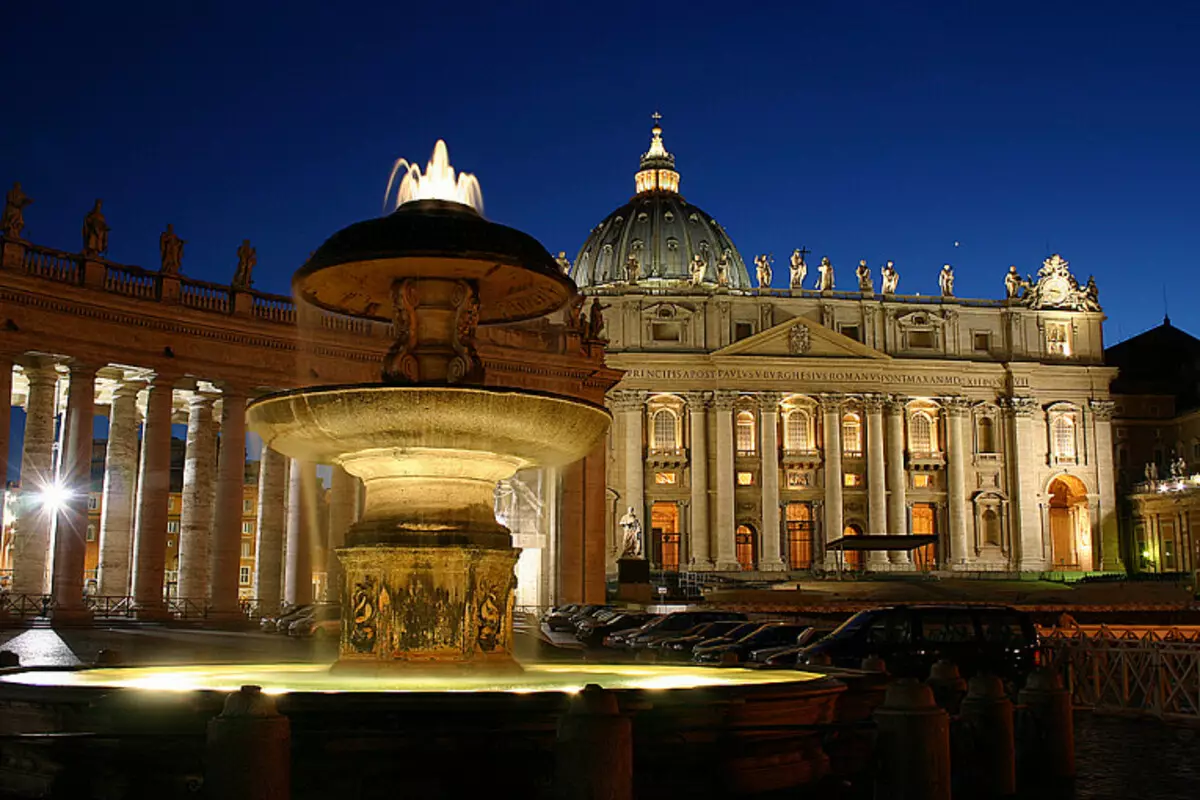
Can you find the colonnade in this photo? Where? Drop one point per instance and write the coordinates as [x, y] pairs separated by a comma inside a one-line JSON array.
[[49, 542]]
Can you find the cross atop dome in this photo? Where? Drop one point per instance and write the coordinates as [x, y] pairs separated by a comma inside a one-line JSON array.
[[657, 173]]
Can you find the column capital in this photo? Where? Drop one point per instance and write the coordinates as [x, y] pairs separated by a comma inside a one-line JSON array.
[[1020, 405], [873, 403], [1102, 409], [768, 402], [725, 399], [698, 402], [896, 403], [627, 399], [831, 402], [196, 398], [233, 390], [955, 405]]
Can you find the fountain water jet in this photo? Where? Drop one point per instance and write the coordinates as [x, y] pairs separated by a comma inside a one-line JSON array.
[[437, 182]]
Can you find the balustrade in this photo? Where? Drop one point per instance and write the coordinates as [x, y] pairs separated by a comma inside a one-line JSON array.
[[274, 308], [204, 296], [54, 265], [130, 282]]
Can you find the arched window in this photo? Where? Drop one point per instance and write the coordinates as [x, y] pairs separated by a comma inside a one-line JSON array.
[[744, 545], [987, 435], [664, 431], [851, 435], [1063, 430], [920, 433], [745, 431], [795, 432]]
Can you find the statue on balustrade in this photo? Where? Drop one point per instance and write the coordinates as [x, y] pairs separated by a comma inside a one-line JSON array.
[[596, 320], [631, 544], [563, 263], [946, 280], [1014, 284], [1091, 295], [825, 280], [247, 258], [891, 278], [799, 269], [95, 232], [697, 269], [633, 269], [14, 212], [863, 273], [763, 263], [170, 248]]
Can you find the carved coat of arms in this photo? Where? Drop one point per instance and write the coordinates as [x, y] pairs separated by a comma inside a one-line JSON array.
[[799, 340]]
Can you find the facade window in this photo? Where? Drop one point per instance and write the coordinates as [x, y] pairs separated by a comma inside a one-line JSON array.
[[920, 434], [852, 479], [665, 331], [247, 550], [247, 527], [799, 535], [664, 478], [983, 342], [742, 330], [745, 479], [247, 506], [798, 479], [1063, 429], [795, 432], [93, 502], [851, 435], [91, 533], [173, 526], [924, 521], [922, 480], [920, 340], [745, 431], [1058, 339], [850, 332], [664, 425], [987, 435], [244, 576]]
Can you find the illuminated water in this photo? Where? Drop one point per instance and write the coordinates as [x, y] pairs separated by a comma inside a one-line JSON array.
[[437, 183], [284, 678]]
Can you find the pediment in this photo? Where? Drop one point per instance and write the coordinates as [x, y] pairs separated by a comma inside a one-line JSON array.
[[802, 338]]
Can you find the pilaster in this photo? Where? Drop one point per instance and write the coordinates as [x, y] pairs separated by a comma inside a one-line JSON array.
[[897, 478], [1027, 536], [630, 405], [768, 405], [831, 417], [726, 521], [699, 531], [955, 410]]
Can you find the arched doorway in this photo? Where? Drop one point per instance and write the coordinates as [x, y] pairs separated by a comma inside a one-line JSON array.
[[1070, 525], [852, 559], [744, 542], [799, 535], [664, 525]]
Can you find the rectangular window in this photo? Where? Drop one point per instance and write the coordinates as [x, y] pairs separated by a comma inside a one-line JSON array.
[[664, 478], [983, 342], [920, 340], [247, 527], [247, 506], [247, 549], [850, 332], [745, 432], [1058, 339], [91, 533], [742, 330], [665, 331], [244, 576], [922, 480], [798, 479], [745, 479], [852, 479], [93, 502], [172, 526]]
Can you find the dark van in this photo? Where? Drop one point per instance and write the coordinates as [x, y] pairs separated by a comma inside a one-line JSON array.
[[910, 638]]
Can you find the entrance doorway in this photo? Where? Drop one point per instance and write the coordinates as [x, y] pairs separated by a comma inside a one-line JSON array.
[[744, 542], [799, 535], [924, 521], [664, 524], [1070, 525], [852, 559]]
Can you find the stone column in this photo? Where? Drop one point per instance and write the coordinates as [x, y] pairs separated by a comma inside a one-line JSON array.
[[6, 375], [268, 545], [897, 504], [768, 405], [1023, 413], [343, 498], [725, 525], [225, 555], [700, 533], [302, 495], [632, 407], [831, 415], [31, 542], [1109, 557], [595, 526], [955, 410], [876, 486], [195, 521], [70, 539], [120, 480], [153, 492]]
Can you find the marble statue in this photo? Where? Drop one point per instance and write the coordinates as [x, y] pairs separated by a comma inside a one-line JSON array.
[[946, 280], [863, 273], [247, 258], [699, 267], [799, 269], [170, 248], [891, 278], [1012, 283], [563, 262], [825, 279], [1091, 295], [631, 544], [14, 212], [95, 232], [763, 263], [723, 269], [633, 270], [575, 314], [596, 320]]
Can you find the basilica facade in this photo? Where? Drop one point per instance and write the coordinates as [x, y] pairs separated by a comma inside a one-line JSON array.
[[760, 420]]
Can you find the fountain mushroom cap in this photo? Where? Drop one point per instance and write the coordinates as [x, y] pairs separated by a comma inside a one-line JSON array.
[[352, 273]]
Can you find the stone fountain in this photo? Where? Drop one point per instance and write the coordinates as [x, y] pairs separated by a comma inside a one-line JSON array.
[[429, 572]]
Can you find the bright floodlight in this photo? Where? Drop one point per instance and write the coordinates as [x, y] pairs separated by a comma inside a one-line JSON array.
[[54, 497]]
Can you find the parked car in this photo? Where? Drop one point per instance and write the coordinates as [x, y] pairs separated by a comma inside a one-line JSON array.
[[785, 653], [280, 623], [560, 611], [320, 620], [565, 622], [680, 647], [594, 635], [675, 623], [769, 635], [910, 638]]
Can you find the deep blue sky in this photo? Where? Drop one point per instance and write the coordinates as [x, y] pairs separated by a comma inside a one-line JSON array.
[[862, 130]]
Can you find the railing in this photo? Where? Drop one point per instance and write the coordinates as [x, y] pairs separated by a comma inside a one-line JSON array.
[[52, 264], [1159, 679], [184, 608], [25, 605], [339, 323], [131, 282], [204, 295], [110, 605], [274, 308]]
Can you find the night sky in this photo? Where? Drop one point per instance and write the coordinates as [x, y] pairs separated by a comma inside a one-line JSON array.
[[860, 130]]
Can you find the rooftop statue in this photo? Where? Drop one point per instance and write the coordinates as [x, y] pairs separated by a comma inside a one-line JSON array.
[[563, 262], [698, 268], [1091, 294], [799, 270], [946, 280], [891, 278], [633, 270], [596, 320], [14, 212], [170, 249], [763, 263], [723, 269], [631, 541], [825, 280], [1013, 283], [863, 273], [247, 257], [95, 232]]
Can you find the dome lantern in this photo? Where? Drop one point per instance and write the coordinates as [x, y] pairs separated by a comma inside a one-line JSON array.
[[657, 172]]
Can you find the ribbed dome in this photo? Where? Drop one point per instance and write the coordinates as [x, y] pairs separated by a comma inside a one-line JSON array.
[[662, 231]]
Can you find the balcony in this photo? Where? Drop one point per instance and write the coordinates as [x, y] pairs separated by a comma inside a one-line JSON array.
[[926, 461], [660, 457], [801, 458]]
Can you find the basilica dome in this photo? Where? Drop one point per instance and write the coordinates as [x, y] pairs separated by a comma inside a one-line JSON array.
[[662, 237]]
